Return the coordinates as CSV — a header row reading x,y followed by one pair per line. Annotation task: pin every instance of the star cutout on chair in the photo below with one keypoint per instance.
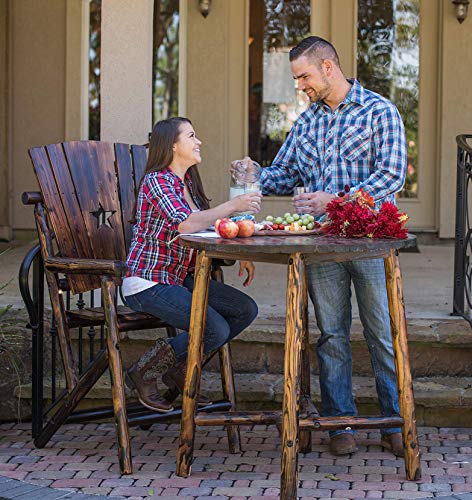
x,y
102,216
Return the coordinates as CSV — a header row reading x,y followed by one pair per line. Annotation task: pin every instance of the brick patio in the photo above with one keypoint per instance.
x,y
82,458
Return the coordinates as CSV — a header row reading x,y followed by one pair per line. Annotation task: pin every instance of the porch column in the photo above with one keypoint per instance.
x,y
126,71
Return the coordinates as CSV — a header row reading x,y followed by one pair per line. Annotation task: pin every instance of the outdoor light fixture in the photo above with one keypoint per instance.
x,y
461,7
204,7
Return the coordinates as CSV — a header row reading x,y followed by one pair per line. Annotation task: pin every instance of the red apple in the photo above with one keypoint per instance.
x,y
227,228
217,223
246,228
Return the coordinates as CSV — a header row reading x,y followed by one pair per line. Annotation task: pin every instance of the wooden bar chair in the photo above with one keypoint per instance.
x,y
82,214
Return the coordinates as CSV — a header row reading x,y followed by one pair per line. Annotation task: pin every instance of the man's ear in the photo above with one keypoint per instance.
x,y
328,67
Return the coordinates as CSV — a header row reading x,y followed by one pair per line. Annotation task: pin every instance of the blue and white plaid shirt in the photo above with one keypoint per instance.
x,y
361,144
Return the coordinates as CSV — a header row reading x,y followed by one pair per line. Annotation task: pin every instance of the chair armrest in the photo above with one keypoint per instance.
x,y
31,198
114,268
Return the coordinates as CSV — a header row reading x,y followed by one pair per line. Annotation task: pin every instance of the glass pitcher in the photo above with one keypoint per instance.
x,y
245,179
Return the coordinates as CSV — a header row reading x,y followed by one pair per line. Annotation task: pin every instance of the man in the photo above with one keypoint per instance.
x,y
348,136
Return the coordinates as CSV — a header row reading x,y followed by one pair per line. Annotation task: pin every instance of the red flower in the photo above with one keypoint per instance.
x,y
355,217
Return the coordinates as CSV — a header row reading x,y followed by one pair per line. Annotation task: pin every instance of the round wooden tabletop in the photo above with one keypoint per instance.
x,y
326,247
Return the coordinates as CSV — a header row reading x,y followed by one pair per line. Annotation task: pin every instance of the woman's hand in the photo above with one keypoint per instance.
x,y
249,202
250,268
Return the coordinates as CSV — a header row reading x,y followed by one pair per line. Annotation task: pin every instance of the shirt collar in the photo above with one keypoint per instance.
x,y
356,95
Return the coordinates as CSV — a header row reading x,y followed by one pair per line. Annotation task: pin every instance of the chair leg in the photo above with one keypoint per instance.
x,y
402,365
194,365
229,393
117,379
227,380
293,346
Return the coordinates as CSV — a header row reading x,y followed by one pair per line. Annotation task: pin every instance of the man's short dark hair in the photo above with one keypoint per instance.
x,y
315,48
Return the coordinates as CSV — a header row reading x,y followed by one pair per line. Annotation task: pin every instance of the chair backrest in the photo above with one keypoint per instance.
x,y
89,190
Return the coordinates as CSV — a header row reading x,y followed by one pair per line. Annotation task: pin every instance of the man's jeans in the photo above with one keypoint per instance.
x,y
329,286
229,312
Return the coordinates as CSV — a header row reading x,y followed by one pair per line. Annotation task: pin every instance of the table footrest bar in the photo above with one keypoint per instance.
x,y
238,418
348,423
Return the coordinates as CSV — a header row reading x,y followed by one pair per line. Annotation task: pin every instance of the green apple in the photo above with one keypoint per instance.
x,y
295,217
310,225
278,220
270,218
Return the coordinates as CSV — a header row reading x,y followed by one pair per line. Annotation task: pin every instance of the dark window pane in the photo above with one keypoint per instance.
x,y
94,69
165,59
388,63
275,27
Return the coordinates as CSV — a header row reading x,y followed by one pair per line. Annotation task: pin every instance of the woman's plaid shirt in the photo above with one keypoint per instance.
x,y
361,144
155,253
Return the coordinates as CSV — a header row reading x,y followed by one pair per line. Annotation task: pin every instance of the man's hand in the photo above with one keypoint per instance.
x,y
249,267
312,203
246,163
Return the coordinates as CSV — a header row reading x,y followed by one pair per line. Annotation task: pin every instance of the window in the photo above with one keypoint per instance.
x,y
275,26
94,68
165,73
388,63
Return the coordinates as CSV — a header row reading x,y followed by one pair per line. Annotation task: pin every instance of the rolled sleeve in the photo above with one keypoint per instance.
x,y
162,194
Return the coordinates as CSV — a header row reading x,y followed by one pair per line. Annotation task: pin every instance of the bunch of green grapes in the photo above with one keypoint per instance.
x,y
288,218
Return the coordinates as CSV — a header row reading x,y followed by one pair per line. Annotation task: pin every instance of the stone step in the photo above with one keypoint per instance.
x,y
440,401
437,347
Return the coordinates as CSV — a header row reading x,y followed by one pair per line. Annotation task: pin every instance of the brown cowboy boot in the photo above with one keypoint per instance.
x,y
143,374
174,379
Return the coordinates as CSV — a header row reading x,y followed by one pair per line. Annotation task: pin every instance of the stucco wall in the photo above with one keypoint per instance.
x,y
37,95
456,109
126,70
4,170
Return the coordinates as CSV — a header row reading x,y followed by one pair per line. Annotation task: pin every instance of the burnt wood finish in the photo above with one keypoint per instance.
x,y
82,213
307,407
293,251
194,364
229,393
293,346
317,423
116,376
402,365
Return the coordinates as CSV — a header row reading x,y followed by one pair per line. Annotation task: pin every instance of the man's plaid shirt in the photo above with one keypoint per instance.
x,y
161,207
361,144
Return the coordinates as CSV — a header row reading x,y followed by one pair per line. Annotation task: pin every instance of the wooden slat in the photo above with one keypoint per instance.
x,y
139,155
124,170
66,217
92,168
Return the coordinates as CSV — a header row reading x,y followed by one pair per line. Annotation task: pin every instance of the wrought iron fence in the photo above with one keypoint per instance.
x,y
462,302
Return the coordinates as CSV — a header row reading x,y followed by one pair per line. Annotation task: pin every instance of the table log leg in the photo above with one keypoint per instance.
x,y
305,436
117,379
402,365
194,365
293,345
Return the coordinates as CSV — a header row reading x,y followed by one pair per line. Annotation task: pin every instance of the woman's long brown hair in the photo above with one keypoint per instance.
x,y
164,135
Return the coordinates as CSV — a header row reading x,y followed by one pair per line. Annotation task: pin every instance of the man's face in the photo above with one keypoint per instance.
x,y
310,78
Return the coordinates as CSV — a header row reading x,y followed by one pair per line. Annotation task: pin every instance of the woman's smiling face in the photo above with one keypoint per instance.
x,y
187,147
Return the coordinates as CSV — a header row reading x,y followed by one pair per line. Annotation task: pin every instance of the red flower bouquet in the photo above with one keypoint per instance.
x,y
354,216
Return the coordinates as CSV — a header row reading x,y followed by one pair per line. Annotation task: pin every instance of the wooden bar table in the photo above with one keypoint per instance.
x,y
296,429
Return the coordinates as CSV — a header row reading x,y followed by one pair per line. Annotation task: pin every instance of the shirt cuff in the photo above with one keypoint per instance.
x,y
182,215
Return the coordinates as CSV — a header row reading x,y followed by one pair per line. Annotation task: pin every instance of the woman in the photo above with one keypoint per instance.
x,y
160,279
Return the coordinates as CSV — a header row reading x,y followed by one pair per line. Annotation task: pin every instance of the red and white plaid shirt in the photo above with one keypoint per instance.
x,y
161,207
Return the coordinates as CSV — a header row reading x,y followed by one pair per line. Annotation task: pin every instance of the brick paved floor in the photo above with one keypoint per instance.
x,y
82,458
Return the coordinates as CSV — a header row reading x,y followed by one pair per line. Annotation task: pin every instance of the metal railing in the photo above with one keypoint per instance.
x,y
46,370
462,301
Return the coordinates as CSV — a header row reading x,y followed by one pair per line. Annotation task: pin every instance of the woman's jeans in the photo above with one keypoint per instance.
x,y
229,312
329,286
